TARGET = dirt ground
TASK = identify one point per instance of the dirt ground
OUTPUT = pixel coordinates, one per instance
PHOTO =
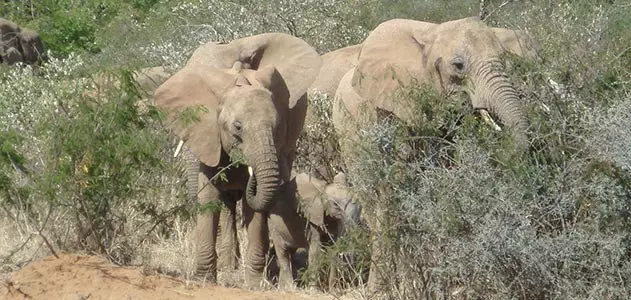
(76, 277)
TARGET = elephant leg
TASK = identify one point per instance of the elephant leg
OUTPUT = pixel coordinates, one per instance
(258, 246)
(335, 263)
(229, 249)
(379, 262)
(206, 229)
(283, 257)
(315, 249)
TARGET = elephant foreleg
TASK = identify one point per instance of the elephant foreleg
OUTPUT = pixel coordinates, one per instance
(206, 230)
(257, 248)
(229, 249)
(315, 249)
(380, 263)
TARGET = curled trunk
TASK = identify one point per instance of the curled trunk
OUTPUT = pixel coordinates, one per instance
(264, 184)
(496, 92)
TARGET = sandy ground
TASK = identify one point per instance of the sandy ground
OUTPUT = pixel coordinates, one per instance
(76, 277)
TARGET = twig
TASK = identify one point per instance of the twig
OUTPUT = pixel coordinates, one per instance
(11, 287)
(495, 10)
(483, 9)
(50, 247)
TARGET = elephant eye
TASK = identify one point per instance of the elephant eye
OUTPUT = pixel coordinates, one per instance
(458, 63)
(237, 126)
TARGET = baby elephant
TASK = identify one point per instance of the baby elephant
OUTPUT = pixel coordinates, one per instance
(324, 212)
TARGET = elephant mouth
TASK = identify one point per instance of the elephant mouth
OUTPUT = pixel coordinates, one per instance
(483, 113)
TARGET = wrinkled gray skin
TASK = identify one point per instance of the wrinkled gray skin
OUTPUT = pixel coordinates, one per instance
(326, 211)
(456, 57)
(29, 45)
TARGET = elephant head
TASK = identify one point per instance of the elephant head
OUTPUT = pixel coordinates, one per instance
(459, 56)
(245, 90)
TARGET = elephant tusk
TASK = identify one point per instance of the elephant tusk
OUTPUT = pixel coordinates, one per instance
(250, 171)
(488, 120)
(179, 147)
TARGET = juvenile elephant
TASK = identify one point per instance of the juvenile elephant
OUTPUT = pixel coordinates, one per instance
(455, 57)
(325, 211)
(27, 42)
(247, 95)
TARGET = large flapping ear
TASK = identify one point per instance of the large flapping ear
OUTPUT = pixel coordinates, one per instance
(296, 61)
(269, 77)
(391, 57)
(312, 198)
(192, 99)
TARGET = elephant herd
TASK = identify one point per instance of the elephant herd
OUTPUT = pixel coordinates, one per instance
(19, 44)
(239, 108)
(249, 98)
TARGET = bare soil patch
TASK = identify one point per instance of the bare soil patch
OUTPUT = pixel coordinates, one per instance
(90, 277)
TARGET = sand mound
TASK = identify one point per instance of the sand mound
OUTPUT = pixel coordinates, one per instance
(89, 277)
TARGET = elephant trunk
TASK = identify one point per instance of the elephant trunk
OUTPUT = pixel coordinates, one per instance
(495, 92)
(191, 169)
(264, 183)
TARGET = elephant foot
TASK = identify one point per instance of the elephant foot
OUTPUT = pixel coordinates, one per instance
(257, 284)
(256, 281)
(286, 282)
(206, 275)
(228, 263)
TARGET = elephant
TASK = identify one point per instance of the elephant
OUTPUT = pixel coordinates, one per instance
(325, 212)
(246, 98)
(334, 65)
(27, 42)
(456, 57)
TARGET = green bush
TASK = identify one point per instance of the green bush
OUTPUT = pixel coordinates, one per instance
(98, 162)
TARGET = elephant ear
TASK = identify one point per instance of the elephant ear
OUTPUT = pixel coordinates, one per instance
(312, 198)
(191, 99)
(296, 61)
(391, 58)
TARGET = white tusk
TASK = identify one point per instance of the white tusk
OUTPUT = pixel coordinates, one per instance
(488, 120)
(179, 147)
(250, 171)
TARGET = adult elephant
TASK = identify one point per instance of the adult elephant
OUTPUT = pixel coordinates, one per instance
(455, 57)
(334, 65)
(16, 40)
(252, 95)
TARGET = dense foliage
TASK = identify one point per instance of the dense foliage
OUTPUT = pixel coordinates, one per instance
(470, 217)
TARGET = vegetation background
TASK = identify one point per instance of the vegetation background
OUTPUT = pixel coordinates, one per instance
(94, 171)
